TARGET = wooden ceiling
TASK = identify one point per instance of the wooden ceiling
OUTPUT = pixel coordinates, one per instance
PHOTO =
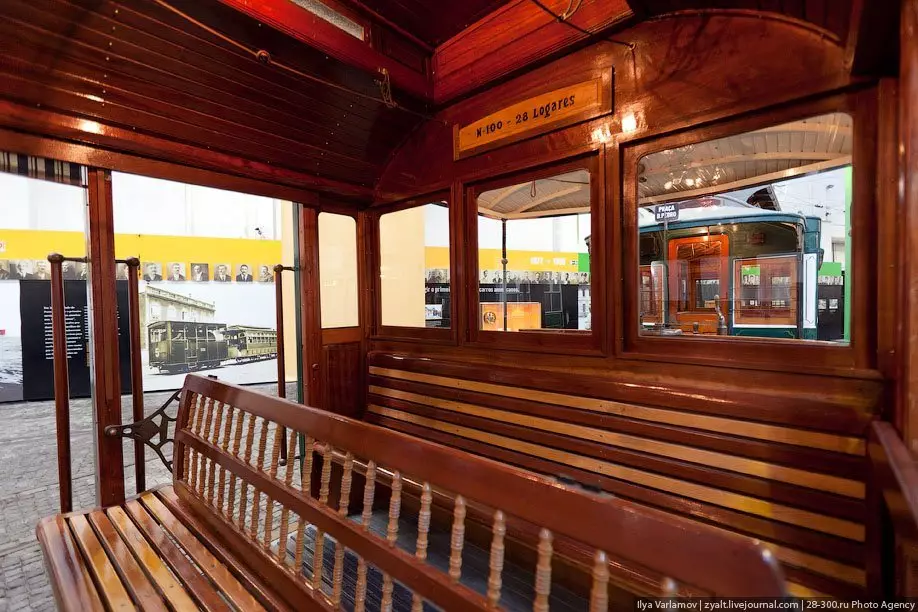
(139, 67)
(433, 21)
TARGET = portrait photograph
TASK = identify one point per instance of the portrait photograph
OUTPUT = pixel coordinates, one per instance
(222, 273)
(42, 269)
(265, 273)
(69, 270)
(4, 269)
(200, 272)
(244, 273)
(175, 271)
(152, 271)
(121, 271)
(22, 269)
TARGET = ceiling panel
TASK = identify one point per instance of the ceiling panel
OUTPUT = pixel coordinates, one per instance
(194, 79)
(433, 21)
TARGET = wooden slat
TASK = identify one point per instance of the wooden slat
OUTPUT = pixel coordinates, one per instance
(142, 590)
(171, 588)
(110, 587)
(254, 584)
(752, 467)
(212, 567)
(73, 587)
(773, 433)
(719, 497)
(198, 586)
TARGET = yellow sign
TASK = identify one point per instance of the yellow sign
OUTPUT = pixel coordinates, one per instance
(529, 115)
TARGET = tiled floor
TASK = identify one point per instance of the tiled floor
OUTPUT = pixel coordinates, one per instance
(29, 487)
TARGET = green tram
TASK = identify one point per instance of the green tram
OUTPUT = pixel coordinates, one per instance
(186, 346)
(726, 267)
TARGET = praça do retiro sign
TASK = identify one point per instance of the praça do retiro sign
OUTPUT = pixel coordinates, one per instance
(531, 116)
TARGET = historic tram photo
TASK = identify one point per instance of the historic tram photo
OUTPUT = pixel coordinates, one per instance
(184, 346)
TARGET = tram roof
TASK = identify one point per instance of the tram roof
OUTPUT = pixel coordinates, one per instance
(714, 210)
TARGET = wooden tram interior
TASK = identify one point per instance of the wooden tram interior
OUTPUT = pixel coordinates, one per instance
(586, 463)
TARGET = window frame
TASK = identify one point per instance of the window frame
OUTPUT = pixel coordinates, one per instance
(579, 342)
(435, 335)
(795, 354)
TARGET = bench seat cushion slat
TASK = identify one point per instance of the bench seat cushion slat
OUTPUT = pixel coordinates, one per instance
(238, 595)
(203, 531)
(73, 586)
(133, 576)
(110, 587)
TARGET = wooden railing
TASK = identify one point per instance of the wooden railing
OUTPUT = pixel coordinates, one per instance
(893, 528)
(228, 465)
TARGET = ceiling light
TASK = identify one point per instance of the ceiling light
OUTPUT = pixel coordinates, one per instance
(668, 185)
(629, 123)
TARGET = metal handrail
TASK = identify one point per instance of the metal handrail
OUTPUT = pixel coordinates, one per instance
(137, 407)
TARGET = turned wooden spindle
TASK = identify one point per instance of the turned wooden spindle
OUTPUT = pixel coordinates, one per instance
(318, 559)
(224, 446)
(369, 492)
(496, 565)
(285, 512)
(305, 486)
(343, 506)
(457, 540)
(543, 572)
(192, 409)
(360, 592)
(247, 457)
(260, 466)
(395, 508)
(198, 420)
(599, 595)
(202, 469)
(420, 551)
(235, 449)
(272, 473)
(214, 439)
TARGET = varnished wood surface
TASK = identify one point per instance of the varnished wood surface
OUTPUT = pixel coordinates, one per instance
(798, 489)
(142, 557)
(478, 479)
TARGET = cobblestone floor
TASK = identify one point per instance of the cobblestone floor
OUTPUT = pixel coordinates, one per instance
(29, 487)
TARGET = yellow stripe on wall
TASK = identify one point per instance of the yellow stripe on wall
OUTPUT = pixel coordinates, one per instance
(735, 501)
(769, 433)
(752, 467)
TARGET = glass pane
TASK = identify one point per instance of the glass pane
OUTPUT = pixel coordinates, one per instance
(748, 235)
(414, 269)
(533, 255)
(338, 270)
(207, 295)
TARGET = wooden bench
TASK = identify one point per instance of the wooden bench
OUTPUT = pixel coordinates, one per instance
(237, 530)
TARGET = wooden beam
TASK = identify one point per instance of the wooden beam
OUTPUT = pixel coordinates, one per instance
(513, 37)
(299, 23)
(105, 372)
(753, 180)
(97, 134)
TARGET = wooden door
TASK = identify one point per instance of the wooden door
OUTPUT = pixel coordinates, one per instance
(333, 346)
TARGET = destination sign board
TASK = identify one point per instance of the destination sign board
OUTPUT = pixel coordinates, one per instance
(666, 212)
(534, 115)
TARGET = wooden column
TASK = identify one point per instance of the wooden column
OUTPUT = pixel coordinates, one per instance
(311, 317)
(908, 147)
(105, 377)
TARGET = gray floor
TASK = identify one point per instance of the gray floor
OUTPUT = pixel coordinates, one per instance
(29, 487)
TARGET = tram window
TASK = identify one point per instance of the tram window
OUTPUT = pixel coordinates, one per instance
(736, 234)
(414, 266)
(533, 255)
(338, 270)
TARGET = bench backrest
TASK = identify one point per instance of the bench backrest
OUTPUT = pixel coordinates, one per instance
(228, 464)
